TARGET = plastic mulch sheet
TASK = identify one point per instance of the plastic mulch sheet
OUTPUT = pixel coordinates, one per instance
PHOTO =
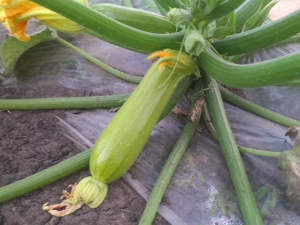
(201, 191)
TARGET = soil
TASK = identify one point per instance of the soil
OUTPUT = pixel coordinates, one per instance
(31, 141)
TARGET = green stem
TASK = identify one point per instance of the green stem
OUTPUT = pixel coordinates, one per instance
(223, 9)
(272, 72)
(91, 102)
(97, 62)
(257, 110)
(260, 37)
(231, 153)
(87, 102)
(127, 3)
(170, 165)
(243, 149)
(293, 39)
(259, 152)
(111, 30)
(46, 176)
(245, 11)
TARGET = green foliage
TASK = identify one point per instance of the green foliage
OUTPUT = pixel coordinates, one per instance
(194, 43)
(259, 17)
(12, 48)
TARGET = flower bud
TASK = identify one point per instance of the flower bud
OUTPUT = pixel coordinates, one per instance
(179, 15)
(178, 61)
(194, 43)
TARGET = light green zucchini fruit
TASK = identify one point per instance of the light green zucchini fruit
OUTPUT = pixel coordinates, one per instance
(125, 136)
(137, 18)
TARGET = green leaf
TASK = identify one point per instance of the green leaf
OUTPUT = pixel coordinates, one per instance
(259, 17)
(223, 32)
(12, 48)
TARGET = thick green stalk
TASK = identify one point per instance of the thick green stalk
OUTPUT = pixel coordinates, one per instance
(293, 39)
(90, 102)
(46, 176)
(111, 30)
(261, 153)
(243, 149)
(273, 72)
(257, 110)
(97, 62)
(231, 153)
(137, 18)
(223, 9)
(170, 165)
(244, 12)
(260, 37)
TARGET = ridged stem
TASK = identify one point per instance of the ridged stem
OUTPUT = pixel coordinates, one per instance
(231, 153)
(223, 9)
(111, 30)
(90, 102)
(97, 62)
(46, 176)
(170, 165)
(260, 37)
(244, 12)
(272, 72)
(212, 131)
(256, 109)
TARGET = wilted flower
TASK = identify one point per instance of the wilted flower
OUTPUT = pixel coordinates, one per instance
(289, 163)
(88, 191)
(194, 43)
(179, 15)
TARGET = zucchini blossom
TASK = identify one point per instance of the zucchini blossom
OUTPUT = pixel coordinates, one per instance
(14, 15)
(181, 62)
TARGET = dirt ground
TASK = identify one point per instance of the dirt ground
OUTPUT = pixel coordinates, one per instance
(31, 141)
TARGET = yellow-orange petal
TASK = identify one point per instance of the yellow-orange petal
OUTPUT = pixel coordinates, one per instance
(12, 9)
(17, 29)
(20, 34)
(16, 7)
(159, 54)
(163, 64)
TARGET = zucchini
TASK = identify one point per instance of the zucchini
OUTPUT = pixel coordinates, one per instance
(125, 136)
(137, 18)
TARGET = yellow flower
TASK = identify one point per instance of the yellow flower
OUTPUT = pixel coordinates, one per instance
(180, 62)
(14, 15)
(9, 10)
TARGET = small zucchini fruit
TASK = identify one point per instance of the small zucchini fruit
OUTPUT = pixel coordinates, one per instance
(121, 142)
(137, 18)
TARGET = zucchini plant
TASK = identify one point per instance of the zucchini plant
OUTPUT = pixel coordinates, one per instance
(213, 34)
(113, 154)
